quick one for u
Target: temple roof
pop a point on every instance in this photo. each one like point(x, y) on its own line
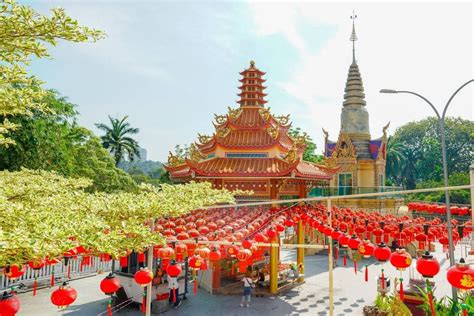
point(251, 167)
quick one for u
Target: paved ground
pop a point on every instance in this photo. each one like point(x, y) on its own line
point(311, 298)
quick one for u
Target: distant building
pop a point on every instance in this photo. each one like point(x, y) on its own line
point(361, 160)
point(142, 154)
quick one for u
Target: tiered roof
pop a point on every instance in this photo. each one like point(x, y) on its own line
point(250, 128)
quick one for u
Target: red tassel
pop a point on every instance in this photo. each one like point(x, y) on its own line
point(401, 289)
point(336, 253)
point(35, 287)
point(174, 295)
point(144, 304)
point(52, 279)
point(68, 271)
point(195, 286)
point(366, 274)
point(355, 267)
point(109, 309)
point(383, 280)
point(430, 298)
point(345, 260)
point(464, 312)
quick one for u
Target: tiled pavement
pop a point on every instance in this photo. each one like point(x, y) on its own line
point(351, 294)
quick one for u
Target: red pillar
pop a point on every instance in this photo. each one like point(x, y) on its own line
point(216, 274)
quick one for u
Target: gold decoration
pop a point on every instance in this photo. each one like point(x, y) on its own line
point(195, 154)
point(301, 140)
point(234, 113)
point(174, 160)
point(223, 132)
point(467, 281)
point(273, 131)
point(220, 119)
point(344, 147)
point(292, 155)
point(282, 119)
point(204, 138)
point(264, 113)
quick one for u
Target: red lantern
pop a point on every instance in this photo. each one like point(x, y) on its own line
point(259, 238)
point(327, 231)
point(427, 266)
point(9, 304)
point(336, 234)
point(196, 262)
point(143, 277)
point(203, 252)
point(14, 271)
point(271, 233)
point(180, 250)
point(289, 223)
point(110, 284)
point(37, 264)
point(232, 250)
point(247, 244)
point(214, 255)
point(344, 240)
point(63, 296)
point(174, 269)
point(400, 259)
point(244, 255)
point(382, 252)
point(165, 253)
point(366, 249)
point(461, 276)
point(279, 228)
point(354, 242)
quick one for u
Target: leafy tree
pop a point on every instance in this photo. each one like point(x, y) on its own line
point(117, 141)
point(420, 143)
point(24, 33)
point(43, 214)
point(52, 140)
point(395, 159)
point(457, 197)
point(181, 151)
point(308, 154)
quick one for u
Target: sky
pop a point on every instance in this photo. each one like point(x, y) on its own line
point(170, 65)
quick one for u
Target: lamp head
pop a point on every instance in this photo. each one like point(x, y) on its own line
point(388, 91)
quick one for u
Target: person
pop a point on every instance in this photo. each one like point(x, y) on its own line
point(173, 284)
point(248, 285)
point(260, 276)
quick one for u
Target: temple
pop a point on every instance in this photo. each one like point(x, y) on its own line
point(361, 160)
point(251, 149)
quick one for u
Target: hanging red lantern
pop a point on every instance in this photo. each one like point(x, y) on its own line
point(247, 244)
point(421, 238)
point(214, 255)
point(36, 264)
point(327, 231)
point(259, 237)
point(182, 236)
point(196, 262)
point(174, 269)
point(180, 249)
point(344, 240)
point(366, 249)
point(271, 233)
point(9, 304)
point(232, 250)
point(279, 228)
point(427, 265)
point(400, 259)
point(14, 271)
point(378, 232)
point(354, 242)
point(166, 253)
point(144, 276)
point(289, 223)
point(123, 261)
point(203, 252)
point(63, 296)
point(382, 252)
point(461, 276)
point(336, 234)
point(110, 284)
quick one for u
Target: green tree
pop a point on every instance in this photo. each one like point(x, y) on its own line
point(308, 154)
point(116, 139)
point(422, 149)
point(51, 139)
point(395, 159)
point(25, 33)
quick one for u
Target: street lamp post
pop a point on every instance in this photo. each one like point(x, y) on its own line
point(445, 165)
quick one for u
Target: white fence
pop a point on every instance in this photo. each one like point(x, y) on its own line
point(61, 273)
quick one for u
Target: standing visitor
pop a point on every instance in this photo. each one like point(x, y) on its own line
point(248, 285)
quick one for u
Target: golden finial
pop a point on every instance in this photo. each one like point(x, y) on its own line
point(252, 64)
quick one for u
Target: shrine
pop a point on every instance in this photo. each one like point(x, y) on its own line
point(251, 149)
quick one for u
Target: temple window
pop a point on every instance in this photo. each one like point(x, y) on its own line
point(246, 155)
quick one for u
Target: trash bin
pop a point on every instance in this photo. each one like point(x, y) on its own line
point(161, 304)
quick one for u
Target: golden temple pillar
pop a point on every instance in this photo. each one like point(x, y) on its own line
point(274, 268)
point(300, 250)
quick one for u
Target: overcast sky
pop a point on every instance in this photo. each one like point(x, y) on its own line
point(171, 65)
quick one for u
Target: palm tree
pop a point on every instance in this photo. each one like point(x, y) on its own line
point(395, 159)
point(117, 141)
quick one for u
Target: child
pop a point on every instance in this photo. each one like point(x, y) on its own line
point(248, 285)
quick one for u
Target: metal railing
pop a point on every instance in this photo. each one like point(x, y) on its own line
point(349, 190)
point(60, 270)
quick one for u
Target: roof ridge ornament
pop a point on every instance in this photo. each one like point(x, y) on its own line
point(353, 36)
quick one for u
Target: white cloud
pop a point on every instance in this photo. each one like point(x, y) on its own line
point(424, 47)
